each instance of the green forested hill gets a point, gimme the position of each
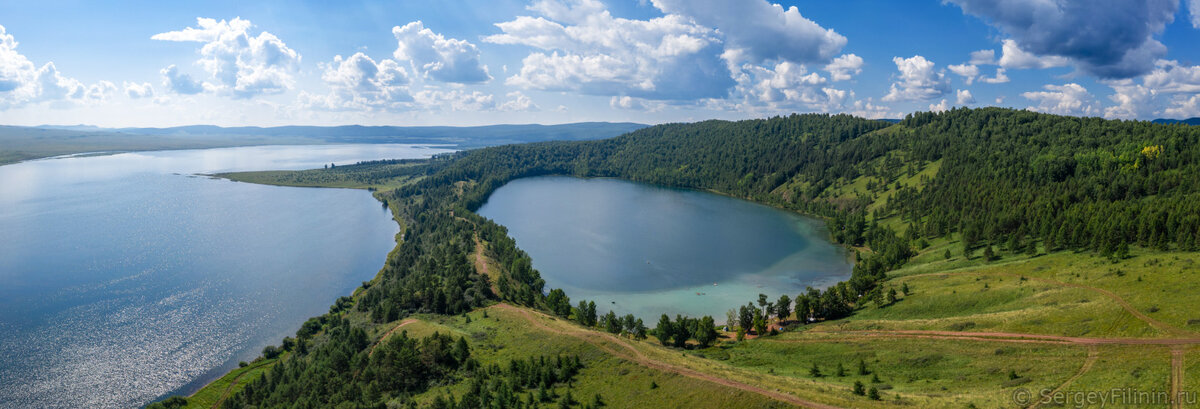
(1003, 176)
(1014, 183)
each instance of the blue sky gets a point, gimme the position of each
(144, 63)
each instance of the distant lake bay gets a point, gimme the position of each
(127, 277)
(646, 250)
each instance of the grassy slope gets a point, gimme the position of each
(506, 334)
(1060, 294)
(233, 381)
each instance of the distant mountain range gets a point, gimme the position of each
(1189, 121)
(19, 143)
(468, 135)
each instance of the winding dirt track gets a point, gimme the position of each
(1093, 354)
(388, 334)
(229, 389)
(603, 341)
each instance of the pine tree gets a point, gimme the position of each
(665, 330)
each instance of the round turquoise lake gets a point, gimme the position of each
(646, 250)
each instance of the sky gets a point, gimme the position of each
(418, 62)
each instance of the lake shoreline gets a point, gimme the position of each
(225, 258)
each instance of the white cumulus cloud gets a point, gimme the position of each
(179, 82)
(443, 59)
(1184, 107)
(940, 107)
(238, 63)
(634, 104)
(758, 31)
(1194, 12)
(964, 97)
(1172, 77)
(23, 83)
(517, 102)
(1015, 58)
(788, 86)
(968, 71)
(1132, 100)
(867, 108)
(999, 78)
(983, 57)
(1068, 99)
(360, 83)
(583, 48)
(455, 100)
(137, 90)
(844, 67)
(917, 81)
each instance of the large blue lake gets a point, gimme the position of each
(127, 277)
(646, 250)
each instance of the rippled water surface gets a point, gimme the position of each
(127, 277)
(646, 250)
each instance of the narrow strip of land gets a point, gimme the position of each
(236, 379)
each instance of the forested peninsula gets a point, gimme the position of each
(995, 225)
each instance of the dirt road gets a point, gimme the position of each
(604, 341)
(388, 334)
